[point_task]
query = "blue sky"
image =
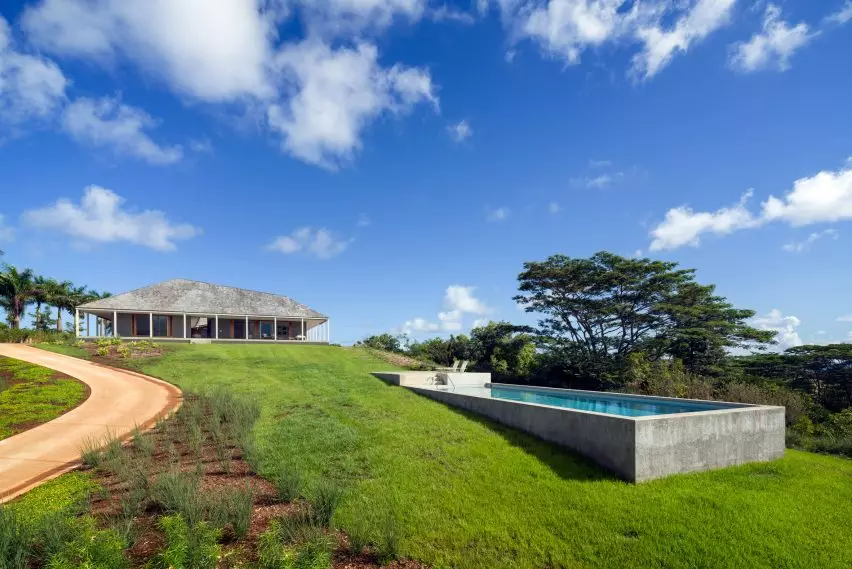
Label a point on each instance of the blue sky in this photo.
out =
(392, 163)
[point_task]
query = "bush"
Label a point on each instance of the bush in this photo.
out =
(178, 492)
(188, 546)
(14, 540)
(295, 542)
(231, 506)
(388, 546)
(88, 547)
(386, 342)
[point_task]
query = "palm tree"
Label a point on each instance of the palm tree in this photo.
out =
(73, 297)
(60, 297)
(43, 288)
(17, 290)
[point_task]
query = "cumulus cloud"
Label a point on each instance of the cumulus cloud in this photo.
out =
(661, 44)
(458, 301)
(497, 214)
(822, 198)
(108, 123)
(31, 86)
(460, 131)
(845, 318)
(320, 243)
(805, 244)
(335, 93)
(567, 28)
(215, 51)
(787, 336)
(683, 226)
(773, 46)
(101, 217)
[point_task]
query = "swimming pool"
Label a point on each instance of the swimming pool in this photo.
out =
(610, 403)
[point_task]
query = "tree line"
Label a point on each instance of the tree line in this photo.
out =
(21, 289)
(613, 323)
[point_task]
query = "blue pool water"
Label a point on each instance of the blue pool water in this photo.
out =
(610, 403)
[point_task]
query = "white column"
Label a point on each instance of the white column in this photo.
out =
(328, 330)
(303, 330)
(184, 326)
(217, 326)
(150, 324)
(275, 328)
(87, 325)
(115, 324)
(76, 322)
(246, 327)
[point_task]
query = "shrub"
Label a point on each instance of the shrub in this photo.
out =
(88, 547)
(91, 453)
(14, 540)
(288, 482)
(178, 492)
(359, 536)
(295, 542)
(188, 546)
(232, 506)
(102, 351)
(326, 498)
(388, 546)
(271, 551)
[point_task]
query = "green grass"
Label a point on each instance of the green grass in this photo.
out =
(31, 395)
(65, 349)
(465, 492)
(57, 495)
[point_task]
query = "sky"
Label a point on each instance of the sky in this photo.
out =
(393, 163)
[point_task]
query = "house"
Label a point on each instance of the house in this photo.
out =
(181, 309)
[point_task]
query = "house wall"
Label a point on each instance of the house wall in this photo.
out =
(125, 325)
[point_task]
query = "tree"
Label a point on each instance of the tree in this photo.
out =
(504, 348)
(41, 295)
(386, 342)
(597, 311)
(17, 290)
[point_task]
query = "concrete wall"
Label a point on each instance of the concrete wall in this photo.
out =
(640, 448)
(606, 439)
(421, 378)
(690, 442)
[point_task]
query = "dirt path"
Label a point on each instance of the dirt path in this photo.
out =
(119, 400)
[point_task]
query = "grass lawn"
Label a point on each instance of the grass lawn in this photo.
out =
(468, 493)
(31, 395)
(65, 349)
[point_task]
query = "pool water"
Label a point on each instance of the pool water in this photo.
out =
(610, 403)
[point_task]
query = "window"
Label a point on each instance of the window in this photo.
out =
(142, 325)
(283, 331)
(266, 330)
(161, 325)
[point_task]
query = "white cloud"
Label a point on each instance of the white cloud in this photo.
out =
(461, 298)
(356, 17)
(773, 47)
(458, 301)
(101, 218)
(567, 28)
(320, 243)
(497, 214)
(683, 226)
(661, 45)
(201, 145)
(363, 221)
(447, 14)
(335, 93)
(480, 322)
(509, 56)
(482, 6)
(31, 87)
(845, 318)
(600, 163)
(637, 254)
(215, 51)
(598, 182)
(823, 197)
(6, 232)
(843, 15)
(553, 207)
(108, 123)
(785, 326)
(419, 325)
(460, 131)
(805, 244)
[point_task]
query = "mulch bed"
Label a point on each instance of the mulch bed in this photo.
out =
(267, 506)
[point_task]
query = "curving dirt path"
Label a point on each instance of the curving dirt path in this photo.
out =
(119, 401)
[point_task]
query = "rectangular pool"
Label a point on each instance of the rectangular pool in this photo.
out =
(610, 403)
(637, 437)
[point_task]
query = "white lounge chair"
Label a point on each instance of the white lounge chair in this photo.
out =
(464, 366)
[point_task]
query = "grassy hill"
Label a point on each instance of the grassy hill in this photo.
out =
(469, 493)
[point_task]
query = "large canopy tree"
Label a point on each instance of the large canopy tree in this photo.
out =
(597, 311)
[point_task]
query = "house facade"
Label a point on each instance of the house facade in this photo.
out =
(185, 310)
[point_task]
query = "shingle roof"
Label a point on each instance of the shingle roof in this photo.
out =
(181, 295)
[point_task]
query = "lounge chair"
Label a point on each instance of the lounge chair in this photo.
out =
(463, 366)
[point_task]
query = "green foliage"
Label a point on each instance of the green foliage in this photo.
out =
(188, 546)
(596, 311)
(14, 540)
(325, 500)
(86, 547)
(386, 342)
(178, 492)
(288, 482)
(230, 506)
(295, 542)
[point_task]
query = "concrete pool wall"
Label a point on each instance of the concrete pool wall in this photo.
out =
(638, 448)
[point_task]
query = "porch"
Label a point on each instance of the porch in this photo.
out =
(172, 326)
